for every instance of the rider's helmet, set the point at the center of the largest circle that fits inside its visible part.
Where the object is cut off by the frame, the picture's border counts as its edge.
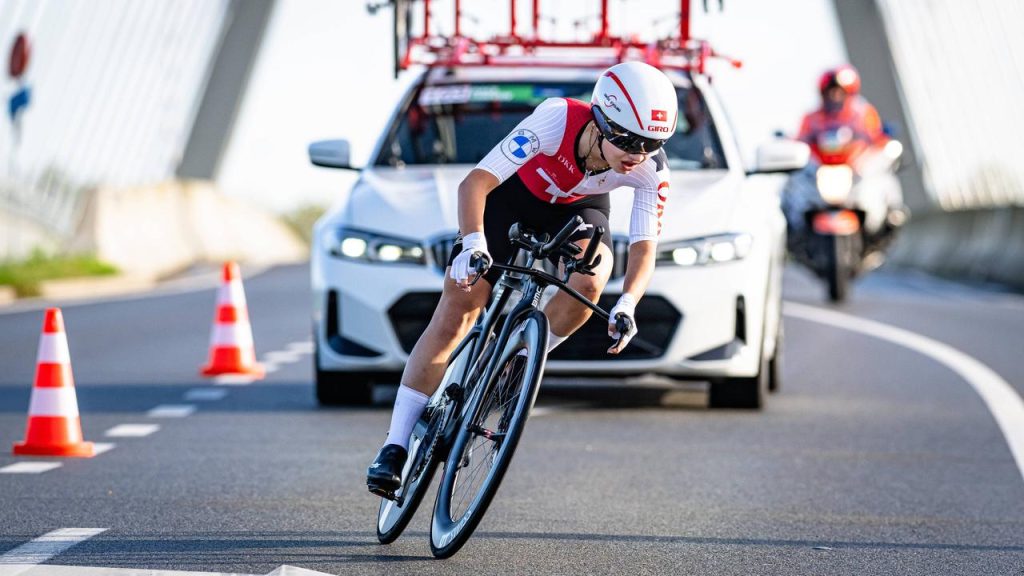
(634, 106)
(845, 77)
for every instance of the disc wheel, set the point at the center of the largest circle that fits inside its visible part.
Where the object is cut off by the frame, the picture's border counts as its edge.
(487, 438)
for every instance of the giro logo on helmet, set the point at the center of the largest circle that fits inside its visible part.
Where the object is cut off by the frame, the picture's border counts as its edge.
(654, 128)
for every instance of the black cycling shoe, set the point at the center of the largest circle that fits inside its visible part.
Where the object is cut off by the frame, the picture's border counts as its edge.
(384, 476)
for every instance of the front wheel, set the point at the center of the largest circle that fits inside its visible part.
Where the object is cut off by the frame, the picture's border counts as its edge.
(488, 435)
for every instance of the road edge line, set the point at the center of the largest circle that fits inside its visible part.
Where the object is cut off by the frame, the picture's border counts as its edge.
(1002, 401)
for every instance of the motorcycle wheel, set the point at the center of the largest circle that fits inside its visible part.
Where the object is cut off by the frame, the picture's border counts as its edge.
(836, 270)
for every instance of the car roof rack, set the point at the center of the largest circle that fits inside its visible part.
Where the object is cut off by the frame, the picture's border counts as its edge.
(675, 52)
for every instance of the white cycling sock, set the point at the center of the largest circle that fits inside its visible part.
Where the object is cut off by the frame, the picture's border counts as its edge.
(409, 405)
(554, 340)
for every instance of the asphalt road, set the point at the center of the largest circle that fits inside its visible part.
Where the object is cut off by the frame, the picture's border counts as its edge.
(873, 459)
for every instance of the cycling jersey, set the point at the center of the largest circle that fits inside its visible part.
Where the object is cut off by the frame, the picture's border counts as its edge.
(539, 155)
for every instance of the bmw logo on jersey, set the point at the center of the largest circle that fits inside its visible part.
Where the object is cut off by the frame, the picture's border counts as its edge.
(519, 146)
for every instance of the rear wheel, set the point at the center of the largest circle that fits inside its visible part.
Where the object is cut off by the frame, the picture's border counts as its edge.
(486, 440)
(425, 452)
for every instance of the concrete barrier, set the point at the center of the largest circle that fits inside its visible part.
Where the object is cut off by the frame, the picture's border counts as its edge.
(157, 230)
(983, 245)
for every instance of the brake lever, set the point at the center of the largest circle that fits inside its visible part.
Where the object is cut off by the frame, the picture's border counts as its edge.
(480, 265)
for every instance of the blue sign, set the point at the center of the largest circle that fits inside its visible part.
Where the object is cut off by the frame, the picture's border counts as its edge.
(19, 101)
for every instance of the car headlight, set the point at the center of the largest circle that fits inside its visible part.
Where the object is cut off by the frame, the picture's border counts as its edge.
(353, 244)
(835, 183)
(708, 250)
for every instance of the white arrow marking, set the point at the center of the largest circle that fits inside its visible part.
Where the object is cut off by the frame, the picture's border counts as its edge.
(1002, 400)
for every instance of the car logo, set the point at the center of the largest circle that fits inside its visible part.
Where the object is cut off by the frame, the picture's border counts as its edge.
(520, 145)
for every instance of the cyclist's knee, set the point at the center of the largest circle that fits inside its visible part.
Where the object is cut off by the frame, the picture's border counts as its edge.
(589, 286)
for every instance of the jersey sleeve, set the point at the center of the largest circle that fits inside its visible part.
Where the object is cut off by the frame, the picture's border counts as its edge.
(539, 133)
(650, 192)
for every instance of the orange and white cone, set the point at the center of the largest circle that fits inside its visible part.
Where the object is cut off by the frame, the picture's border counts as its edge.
(231, 345)
(54, 428)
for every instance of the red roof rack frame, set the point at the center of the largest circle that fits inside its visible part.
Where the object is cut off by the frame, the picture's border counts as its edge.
(680, 52)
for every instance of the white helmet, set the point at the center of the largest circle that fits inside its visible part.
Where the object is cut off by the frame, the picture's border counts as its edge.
(635, 107)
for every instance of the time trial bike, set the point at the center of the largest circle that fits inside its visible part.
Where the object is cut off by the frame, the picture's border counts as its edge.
(474, 420)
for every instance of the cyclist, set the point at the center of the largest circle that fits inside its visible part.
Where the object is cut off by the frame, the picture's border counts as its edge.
(561, 161)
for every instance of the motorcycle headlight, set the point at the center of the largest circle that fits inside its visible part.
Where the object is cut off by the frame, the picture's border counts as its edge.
(835, 183)
(707, 250)
(363, 246)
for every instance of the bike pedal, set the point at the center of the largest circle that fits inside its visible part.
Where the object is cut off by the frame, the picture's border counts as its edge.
(382, 492)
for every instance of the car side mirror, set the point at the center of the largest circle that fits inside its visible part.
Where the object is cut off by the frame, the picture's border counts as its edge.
(781, 155)
(331, 154)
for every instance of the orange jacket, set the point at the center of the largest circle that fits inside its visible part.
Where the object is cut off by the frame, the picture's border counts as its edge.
(858, 114)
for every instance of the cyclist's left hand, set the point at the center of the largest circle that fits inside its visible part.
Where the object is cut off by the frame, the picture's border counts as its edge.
(624, 312)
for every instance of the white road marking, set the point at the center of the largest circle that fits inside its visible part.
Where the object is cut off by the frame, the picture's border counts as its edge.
(233, 380)
(206, 394)
(53, 570)
(282, 357)
(43, 548)
(132, 430)
(1002, 400)
(30, 467)
(101, 447)
(270, 367)
(172, 411)
(303, 347)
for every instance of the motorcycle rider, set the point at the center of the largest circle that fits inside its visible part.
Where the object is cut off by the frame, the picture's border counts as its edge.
(561, 161)
(846, 112)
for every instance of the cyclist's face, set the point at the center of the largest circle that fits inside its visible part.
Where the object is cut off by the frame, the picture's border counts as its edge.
(620, 161)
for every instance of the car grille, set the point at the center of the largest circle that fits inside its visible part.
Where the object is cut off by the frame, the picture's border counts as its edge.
(657, 318)
(441, 249)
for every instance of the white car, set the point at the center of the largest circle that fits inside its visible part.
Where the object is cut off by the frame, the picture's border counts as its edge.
(711, 312)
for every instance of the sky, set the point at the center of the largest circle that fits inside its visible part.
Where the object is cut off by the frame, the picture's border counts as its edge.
(324, 72)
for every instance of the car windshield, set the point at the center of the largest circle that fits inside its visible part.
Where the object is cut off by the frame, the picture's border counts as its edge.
(460, 123)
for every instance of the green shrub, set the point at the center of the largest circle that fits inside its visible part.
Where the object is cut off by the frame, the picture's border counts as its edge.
(26, 275)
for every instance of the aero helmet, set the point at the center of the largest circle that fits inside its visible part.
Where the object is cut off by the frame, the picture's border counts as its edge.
(845, 77)
(634, 106)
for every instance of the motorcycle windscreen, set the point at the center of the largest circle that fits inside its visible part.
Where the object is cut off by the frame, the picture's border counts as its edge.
(836, 223)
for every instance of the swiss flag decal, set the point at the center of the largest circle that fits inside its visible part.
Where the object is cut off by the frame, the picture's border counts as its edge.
(659, 116)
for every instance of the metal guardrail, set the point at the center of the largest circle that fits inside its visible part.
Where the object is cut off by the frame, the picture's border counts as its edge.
(961, 72)
(115, 87)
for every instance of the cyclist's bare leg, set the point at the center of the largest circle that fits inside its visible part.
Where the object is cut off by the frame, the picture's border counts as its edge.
(452, 319)
(565, 314)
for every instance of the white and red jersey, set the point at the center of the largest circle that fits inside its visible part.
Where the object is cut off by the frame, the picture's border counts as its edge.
(541, 151)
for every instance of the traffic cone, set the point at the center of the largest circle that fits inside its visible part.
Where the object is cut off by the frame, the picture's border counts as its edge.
(231, 346)
(54, 428)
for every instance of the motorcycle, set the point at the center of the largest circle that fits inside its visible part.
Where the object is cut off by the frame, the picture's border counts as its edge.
(843, 209)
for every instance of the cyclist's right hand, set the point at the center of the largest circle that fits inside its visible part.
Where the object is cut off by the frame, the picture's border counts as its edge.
(465, 269)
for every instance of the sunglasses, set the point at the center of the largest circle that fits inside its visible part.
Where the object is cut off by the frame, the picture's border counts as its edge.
(623, 139)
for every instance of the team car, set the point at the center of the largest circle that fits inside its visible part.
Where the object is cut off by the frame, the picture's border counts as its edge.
(712, 311)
